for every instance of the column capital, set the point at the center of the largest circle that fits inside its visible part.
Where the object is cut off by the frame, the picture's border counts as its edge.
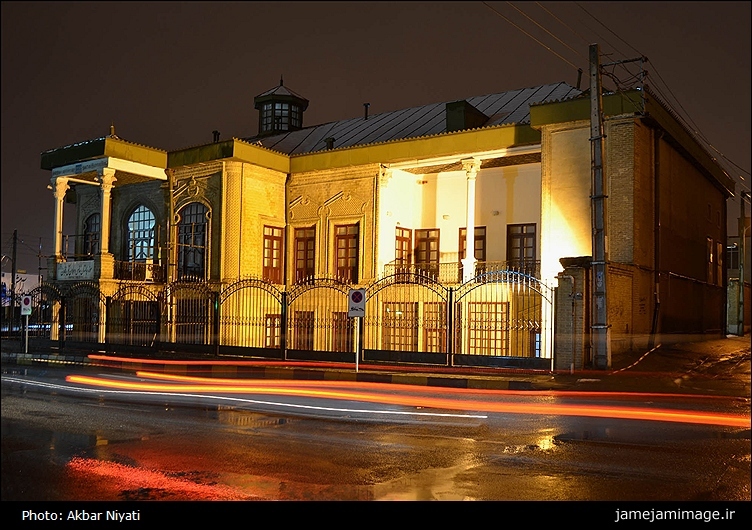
(471, 166)
(59, 187)
(385, 175)
(106, 177)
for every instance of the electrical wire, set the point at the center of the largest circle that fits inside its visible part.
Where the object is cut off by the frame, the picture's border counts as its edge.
(529, 35)
(544, 29)
(686, 118)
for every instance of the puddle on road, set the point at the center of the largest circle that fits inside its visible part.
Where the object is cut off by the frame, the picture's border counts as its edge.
(612, 436)
(427, 485)
(244, 418)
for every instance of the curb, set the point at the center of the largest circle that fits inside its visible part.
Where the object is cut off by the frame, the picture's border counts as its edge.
(496, 382)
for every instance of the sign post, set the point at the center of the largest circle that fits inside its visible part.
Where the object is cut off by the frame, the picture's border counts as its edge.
(356, 308)
(26, 311)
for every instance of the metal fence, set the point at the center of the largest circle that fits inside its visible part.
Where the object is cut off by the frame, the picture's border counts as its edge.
(499, 318)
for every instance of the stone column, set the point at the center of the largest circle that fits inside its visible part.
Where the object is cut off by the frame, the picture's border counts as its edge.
(105, 260)
(107, 179)
(59, 187)
(471, 167)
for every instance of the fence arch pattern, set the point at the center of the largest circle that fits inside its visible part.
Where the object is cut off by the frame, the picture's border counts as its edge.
(503, 314)
(134, 316)
(190, 311)
(250, 313)
(44, 321)
(85, 307)
(317, 319)
(406, 319)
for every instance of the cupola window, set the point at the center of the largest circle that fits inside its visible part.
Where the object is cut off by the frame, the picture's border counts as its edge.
(280, 110)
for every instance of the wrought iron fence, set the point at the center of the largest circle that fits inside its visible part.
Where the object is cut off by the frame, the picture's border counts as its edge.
(409, 317)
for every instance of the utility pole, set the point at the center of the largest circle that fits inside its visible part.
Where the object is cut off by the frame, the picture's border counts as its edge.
(599, 328)
(13, 282)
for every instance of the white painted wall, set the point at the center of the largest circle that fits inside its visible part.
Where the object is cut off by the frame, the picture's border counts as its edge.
(504, 195)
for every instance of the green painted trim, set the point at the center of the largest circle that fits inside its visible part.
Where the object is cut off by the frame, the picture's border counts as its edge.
(253, 154)
(201, 153)
(234, 150)
(101, 147)
(473, 141)
(628, 102)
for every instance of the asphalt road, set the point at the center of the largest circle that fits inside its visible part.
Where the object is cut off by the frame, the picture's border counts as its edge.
(76, 446)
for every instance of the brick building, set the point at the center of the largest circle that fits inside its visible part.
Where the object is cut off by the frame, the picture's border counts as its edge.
(235, 243)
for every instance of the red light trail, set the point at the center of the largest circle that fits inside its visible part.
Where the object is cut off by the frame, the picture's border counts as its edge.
(360, 393)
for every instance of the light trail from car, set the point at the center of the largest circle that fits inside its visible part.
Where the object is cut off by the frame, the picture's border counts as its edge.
(418, 389)
(546, 409)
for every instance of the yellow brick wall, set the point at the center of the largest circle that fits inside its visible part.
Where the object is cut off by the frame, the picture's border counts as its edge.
(332, 197)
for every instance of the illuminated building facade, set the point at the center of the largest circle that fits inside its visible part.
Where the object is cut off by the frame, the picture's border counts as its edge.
(256, 242)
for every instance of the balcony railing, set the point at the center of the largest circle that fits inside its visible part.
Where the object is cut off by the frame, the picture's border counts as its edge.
(142, 272)
(452, 272)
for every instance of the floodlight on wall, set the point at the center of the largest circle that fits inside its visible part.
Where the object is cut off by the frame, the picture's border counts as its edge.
(495, 212)
(445, 217)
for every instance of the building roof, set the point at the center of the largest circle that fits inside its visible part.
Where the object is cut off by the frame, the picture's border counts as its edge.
(506, 108)
(110, 145)
(280, 90)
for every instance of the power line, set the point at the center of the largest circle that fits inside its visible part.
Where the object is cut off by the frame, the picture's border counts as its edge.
(609, 29)
(563, 23)
(694, 128)
(544, 29)
(528, 34)
(686, 119)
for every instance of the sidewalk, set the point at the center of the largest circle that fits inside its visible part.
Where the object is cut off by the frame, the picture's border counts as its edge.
(719, 366)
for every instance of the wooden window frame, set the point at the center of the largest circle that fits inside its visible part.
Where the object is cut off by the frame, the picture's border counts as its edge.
(426, 258)
(305, 243)
(304, 330)
(400, 329)
(403, 248)
(516, 254)
(343, 335)
(273, 247)
(347, 254)
(272, 330)
(434, 327)
(487, 332)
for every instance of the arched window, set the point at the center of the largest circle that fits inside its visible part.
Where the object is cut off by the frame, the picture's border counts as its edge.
(139, 244)
(92, 226)
(192, 241)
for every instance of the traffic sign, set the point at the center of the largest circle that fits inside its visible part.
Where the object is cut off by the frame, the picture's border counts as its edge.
(356, 303)
(25, 305)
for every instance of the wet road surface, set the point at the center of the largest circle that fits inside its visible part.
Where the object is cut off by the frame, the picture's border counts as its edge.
(57, 446)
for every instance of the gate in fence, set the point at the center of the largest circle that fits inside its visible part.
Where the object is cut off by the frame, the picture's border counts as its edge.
(250, 316)
(134, 316)
(317, 323)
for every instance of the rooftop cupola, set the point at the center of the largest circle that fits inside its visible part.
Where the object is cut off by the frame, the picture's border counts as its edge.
(280, 110)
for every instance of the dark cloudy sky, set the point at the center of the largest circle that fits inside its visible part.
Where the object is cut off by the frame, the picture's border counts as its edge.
(168, 74)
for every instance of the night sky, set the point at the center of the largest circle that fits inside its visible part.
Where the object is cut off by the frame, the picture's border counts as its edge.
(168, 74)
